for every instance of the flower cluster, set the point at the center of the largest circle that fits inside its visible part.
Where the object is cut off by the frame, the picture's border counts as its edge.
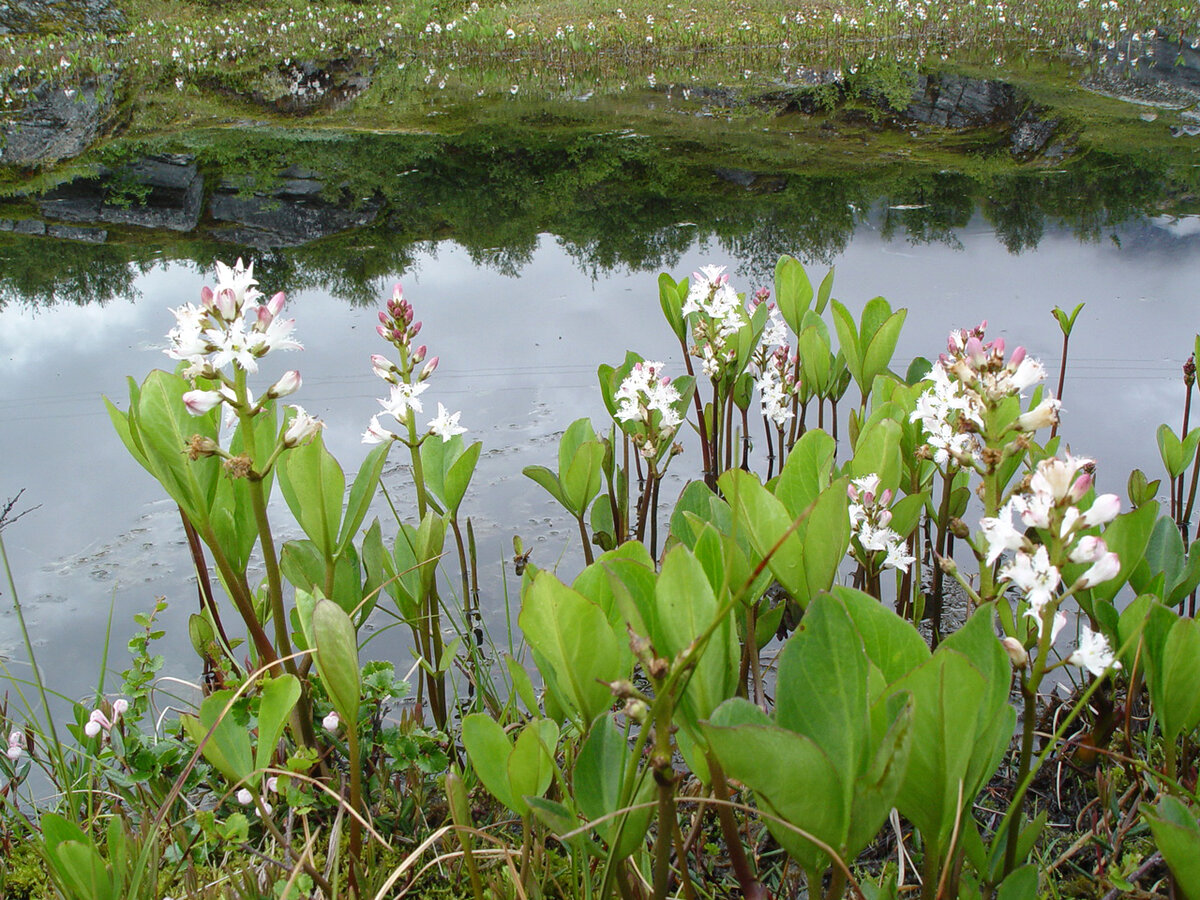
(719, 316)
(968, 380)
(16, 746)
(230, 325)
(407, 381)
(776, 376)
(1051, 505)
(870, 519)
(98, 721)
(648, 398)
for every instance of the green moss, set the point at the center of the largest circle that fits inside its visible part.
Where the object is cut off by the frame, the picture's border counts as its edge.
(23, 874)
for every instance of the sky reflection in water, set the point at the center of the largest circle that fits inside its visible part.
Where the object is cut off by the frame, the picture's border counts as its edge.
(518, 357)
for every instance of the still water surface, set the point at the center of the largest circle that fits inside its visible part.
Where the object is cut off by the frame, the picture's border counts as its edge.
(518, 356)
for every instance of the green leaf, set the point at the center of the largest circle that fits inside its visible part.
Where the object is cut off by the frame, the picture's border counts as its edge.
(313, 486)
(547, 479)
(822, 687)
(1178, 705)
(574, 639)
(671, 296)
(686, 608)
(891, 643)
(228, 748)
(362, 492)
(277, 701)
(531, 763)
(1178, 838)
(807, 471)
(765, 520)
(793, 778)
(599, 777)
(489, 748)
(337, 659)
(793, 291)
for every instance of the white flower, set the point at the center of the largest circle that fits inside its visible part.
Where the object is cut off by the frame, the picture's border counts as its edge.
(377, 434)
(244, 797)
(897, 558)
(445, 425)
(403, 400)
(1060, 619)
(238, 279)
(1000, 533)
(1043, 415)
(1034, 576)
(288, 384)
(302, 429)
(1093, 654)
(331, 721)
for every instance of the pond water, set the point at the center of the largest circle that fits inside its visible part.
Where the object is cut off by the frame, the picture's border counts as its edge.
(522, 323)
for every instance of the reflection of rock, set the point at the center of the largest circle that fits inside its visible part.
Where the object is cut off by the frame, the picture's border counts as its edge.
(306, 86)
(58, 123)
(74, 233)
(34, 16)
(153, 192)
(291, 214)
(752, 180)
(955, 101)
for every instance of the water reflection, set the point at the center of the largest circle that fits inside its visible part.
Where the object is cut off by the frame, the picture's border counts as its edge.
(521, 323)
(343, 213)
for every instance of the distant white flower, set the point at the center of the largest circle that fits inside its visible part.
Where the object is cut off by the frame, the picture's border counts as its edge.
(244, 797)
(331, 722)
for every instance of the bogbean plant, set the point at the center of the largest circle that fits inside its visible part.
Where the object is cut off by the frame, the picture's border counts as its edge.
(876, 719)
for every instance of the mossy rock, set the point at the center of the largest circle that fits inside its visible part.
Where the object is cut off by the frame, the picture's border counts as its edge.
(55, 16)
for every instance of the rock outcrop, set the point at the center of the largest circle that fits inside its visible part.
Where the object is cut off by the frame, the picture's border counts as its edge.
(59, 122)
(39, 16)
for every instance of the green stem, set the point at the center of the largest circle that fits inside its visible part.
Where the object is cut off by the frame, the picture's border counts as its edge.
(356, 805)
(274, 583)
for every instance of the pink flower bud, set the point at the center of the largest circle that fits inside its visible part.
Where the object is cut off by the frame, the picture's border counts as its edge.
(397, 293)
(381, 366)
(206, 296)
(383, 332)
(200, 402)
(244, 797)
(288, 384)
(974, 352)
(330, 722)
(1103, 569)
(415, 329)
(1016, 652)
(430, 368)
(419, 355)
(1080, 488)
(226, 304)
(120, 707)
(384, 319)
(275, 304)
(1104, 509)
(1017, 357)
